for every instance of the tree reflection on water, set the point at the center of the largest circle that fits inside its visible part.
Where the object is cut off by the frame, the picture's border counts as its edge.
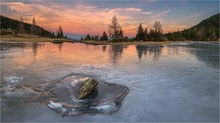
(155, 51)
(115, 52)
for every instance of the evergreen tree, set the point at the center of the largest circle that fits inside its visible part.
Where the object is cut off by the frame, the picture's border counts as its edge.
(140, 33)
(104, 37)
(96, 38)
(145, 34)
(151, 35)
(53, 35)
(60, 32)
(88, 37)
(121, 35)
(92, 38)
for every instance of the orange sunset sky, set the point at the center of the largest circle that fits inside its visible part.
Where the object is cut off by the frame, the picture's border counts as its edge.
(80, 17)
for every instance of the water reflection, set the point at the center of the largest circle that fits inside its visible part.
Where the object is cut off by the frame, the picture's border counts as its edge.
(34, 48)
(104, 48)
(141, 49)
(115, 52)
(155, 51)
(76, 53)
(60, 47)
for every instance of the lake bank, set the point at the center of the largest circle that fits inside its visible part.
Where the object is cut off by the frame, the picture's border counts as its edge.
(124, 43)
(29, 38)
(136, 42)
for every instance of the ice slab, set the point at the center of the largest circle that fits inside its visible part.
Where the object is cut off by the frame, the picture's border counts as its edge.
(105, 99)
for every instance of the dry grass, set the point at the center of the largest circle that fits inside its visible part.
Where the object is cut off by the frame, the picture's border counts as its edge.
(125, 43)
(27, 38)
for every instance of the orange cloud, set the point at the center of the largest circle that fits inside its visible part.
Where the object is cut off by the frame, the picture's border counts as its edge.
(82, 19)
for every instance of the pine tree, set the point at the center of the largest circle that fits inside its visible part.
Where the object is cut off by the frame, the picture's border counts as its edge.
(88, 37)
(121, 35)
(151, 35)
(104, 37)
(140, 33)
(60, 32)
(96, 38)
(145, 34)
(92, 38)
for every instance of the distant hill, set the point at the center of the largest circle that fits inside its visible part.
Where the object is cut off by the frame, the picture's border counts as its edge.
(206, 30)
(8, 26)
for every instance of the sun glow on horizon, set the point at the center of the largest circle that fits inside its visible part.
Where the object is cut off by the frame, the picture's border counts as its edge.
(82, 19)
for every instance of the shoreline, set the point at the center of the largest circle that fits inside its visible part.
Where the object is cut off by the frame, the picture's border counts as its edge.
(25, 38)
(41, 39)
(124, 42)
(90, 42)
(136, 42)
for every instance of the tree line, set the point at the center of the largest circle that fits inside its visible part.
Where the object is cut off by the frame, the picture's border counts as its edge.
(206, 30)
(9, 26)
(116, 33)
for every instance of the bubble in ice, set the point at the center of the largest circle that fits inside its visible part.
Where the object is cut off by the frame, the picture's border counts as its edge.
(106, 107)
(106, 98)
(13, 81)
(62, 109)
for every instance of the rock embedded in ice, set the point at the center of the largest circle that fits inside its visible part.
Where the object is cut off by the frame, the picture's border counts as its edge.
(105, 98)
(87, 87)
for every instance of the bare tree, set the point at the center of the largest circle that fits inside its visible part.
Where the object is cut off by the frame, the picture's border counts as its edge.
(114, 28)
(34, 21)
(158, 36)
(21, 18)
(157, 27)
(33, 26)
(21, 26)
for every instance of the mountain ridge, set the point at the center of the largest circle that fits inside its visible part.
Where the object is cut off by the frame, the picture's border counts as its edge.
(10, 26)
(206, 30)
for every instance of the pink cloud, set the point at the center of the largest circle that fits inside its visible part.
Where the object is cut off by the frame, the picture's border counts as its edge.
(82, 19)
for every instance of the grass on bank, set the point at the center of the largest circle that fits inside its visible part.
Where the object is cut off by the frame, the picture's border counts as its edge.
(92, 42)
(28, 38)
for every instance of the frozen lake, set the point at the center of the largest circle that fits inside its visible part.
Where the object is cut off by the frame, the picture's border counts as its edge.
(169, 83)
